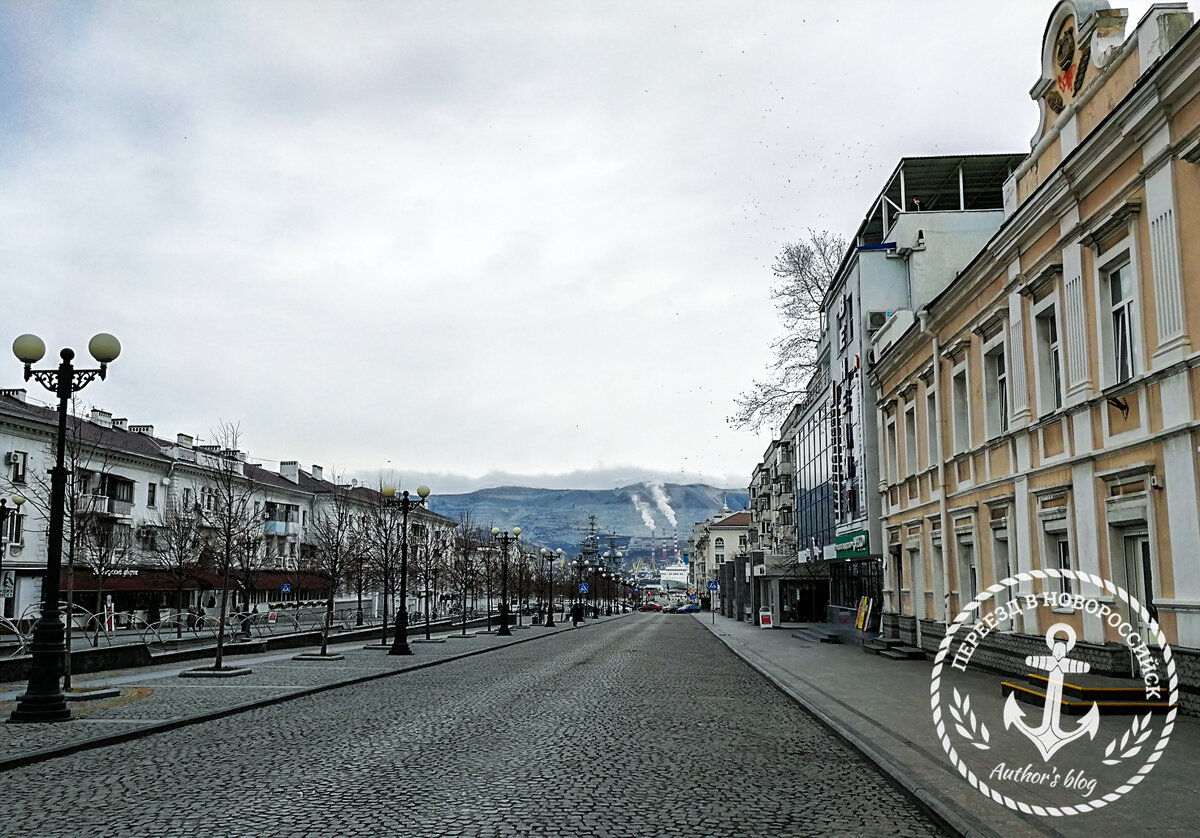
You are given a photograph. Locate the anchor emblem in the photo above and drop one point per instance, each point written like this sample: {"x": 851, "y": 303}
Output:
{"x": 1049, "y": 736}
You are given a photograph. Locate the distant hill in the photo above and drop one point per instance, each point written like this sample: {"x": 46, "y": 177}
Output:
{"x": 559, "y": 517}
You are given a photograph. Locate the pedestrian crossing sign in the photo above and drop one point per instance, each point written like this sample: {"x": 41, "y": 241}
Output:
{"x": 713, "y": 584}
{"x": 583, "y": 589}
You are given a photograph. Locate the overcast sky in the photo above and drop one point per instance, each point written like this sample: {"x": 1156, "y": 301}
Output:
{"x": 464, "y": 242}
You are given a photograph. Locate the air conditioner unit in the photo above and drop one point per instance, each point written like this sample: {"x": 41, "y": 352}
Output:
{"x": 876, "y": 320}
{"x": 10, "y": 459}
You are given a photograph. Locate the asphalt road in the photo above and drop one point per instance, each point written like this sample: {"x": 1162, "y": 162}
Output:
{"x": 643, "y": 726}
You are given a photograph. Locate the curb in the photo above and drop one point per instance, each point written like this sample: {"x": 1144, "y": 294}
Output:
{"x": 187, "y": 721}
{"x": 946, "y": 815}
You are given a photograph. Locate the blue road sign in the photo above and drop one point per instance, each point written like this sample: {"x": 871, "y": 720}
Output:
{"x": 583, "y": 587}
{"x": 286, "y": 588}
{"x": 713, "y": 585}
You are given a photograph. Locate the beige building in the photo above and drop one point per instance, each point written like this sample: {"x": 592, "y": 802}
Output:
{"x": 1044, "y": 410}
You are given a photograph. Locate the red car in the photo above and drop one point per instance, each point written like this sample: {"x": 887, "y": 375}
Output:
{"x": 651, "y": 606}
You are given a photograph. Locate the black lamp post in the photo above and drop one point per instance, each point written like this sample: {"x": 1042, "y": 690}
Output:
{"x": 505, "y": 539}
{"x": 43, "y": 699}
{"x": 5, "y": 511}
{"x": 400, "y": 641}
{"x": 550, "y": 558}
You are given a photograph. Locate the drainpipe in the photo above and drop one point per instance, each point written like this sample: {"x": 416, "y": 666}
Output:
{"x": 943, "y": 508}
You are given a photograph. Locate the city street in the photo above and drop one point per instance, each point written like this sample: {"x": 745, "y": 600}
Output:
{"x": 640, "y": 725}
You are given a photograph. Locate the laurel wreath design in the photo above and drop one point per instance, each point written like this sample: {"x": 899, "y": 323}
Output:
{"x": 960, "y": 709}
{"x": 1138, "y": 732}
{"x": 1137, "y": 739}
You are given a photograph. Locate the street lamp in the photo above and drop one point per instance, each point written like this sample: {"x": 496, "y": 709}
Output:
{"x": 505, "y": 539}
{"x": 43, "y": 699}
{"x": 550, "y": 558}
{"x": 400, "y": 641}
{"x": 4, "y": 513}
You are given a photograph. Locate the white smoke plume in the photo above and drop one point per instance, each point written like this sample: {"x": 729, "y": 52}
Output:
{"x": 660, "y": 500}
{"x": 644, "y": 509}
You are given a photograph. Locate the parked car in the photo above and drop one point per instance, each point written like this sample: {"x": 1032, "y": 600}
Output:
{"x": 688, "y": 608}
{"x": 651, "y": 606}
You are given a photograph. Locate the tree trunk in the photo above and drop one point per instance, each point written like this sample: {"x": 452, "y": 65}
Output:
{"x": 179, "y": 613}
{"x": 221, "y": 624}
{"x": 328, "y": 623}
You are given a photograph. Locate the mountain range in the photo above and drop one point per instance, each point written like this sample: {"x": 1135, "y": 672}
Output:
{"x": 633, "y": 514}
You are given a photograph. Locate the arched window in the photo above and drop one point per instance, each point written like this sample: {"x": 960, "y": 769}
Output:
{"x": 719, "y": 544}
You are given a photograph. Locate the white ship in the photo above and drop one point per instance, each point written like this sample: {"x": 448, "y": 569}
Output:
{"x": 674, "y": 575}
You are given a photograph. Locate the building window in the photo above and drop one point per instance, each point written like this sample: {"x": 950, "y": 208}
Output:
{"x": 962, "y": 412}
{"x": 931, "y": 427}
{"x": 1049, "y": 360}
{"x": 16, "y": 529}
{"x": 910, "y": 438}
{"x": 18, "y": 461}
{"x": 719, "y": 544}
{"x": 151, "y": 494}
{"x": 893, "y": 455}
{"x": 995, "y": 377}
{"x": 1062, "y": 549}
{"x": 1120, "y": 292}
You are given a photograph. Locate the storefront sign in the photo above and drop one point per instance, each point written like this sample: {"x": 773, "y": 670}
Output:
{"x": 853, "y": 545}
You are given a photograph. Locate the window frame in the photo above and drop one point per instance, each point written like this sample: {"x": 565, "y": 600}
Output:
{"x": 1051, "y": 388}
{"x": 995, "y": 386}
{"x": 961, "y": 407}
{"x": 1121, "y": 260}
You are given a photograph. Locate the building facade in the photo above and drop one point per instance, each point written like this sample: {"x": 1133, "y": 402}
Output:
{"x": 128, "y": 488}
{"x": 1043, "y": 411}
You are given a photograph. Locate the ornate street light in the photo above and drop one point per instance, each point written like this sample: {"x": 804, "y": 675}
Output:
{"x": 550, "y": 559}
{"x": 43, "y": 699}
{"x": 5, "y": 511}
{"x": 400, "y": 641}
{"x": 505, "y": 539}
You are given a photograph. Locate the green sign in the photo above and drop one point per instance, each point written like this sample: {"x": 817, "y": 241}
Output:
{"x": 852, "y": 545}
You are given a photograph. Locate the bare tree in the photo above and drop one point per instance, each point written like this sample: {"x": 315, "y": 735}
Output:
{"x": 336, "y": 540}
{"x": 429, "y": 545}
{"x": 804, "y": 271}
{"x": 103, "y": 547}
{"x": 383, "y": 548}
{"x": 463, "y": 571}
{"x": 227, "y": 509}
{"x": 174, "y": 545}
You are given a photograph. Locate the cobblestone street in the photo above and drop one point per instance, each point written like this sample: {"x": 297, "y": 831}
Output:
{"x": 644, "y": 725}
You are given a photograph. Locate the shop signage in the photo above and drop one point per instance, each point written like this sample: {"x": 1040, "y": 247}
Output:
{"x": 853, "y": 544}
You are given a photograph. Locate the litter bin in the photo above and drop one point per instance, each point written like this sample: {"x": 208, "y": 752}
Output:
{"x": 764, "y": 618}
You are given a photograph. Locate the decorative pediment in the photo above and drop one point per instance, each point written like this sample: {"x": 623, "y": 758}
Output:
{"x": 1041, "y": 279}
{"x": 1075, "y": 29}
{"x": 1117, "y": 222}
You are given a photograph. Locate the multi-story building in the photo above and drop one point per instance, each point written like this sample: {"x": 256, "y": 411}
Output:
{"x": 927, "y": 222}
{"x": 126, "y": 484}
{"x": 1043, "y": 411}
{"x": 717, "y": 542}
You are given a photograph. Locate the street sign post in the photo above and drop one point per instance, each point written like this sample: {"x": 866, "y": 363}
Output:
{"x": 713, "y": 587}
{"x": 286, "y": 588}
{"x": 583, "y": 587}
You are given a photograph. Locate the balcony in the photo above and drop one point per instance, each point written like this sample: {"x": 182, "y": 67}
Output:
{"x": 101, "y": 505}
{"x": 281, "y": 528}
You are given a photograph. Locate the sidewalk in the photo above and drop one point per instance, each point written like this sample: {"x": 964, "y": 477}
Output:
{"x": 882, "y": 707}
{"x": 154, "y": 698}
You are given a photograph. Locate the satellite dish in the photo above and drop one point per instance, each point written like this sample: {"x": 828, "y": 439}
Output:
{"x": 354, "y": 482}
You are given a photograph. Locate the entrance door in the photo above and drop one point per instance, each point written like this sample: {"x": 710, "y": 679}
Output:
{"x": 1139, "y": 580}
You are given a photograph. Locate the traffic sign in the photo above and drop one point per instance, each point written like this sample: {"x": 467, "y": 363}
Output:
{"x": 713, "y": 585}
{"x": 583, "y": 589}
{"x": 286, "y": 588}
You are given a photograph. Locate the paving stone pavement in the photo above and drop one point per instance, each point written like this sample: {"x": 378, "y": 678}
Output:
{"x": 639, "y": 725}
